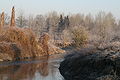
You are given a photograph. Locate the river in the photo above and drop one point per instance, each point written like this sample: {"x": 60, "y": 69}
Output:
{"x": 42, "y": 68}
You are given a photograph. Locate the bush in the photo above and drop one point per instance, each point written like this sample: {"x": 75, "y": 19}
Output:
{"x": 79, "y": 36}
{"x": 24, "y": 39}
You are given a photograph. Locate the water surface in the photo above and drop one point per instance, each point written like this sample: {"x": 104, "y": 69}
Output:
{"x": 42, "y": 68}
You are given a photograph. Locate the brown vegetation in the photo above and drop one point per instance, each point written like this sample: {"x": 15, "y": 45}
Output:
{"x": 24, "y": 39}
{"x": 2, "y": 20}
{"x": 44, "y": 41}
{"x": 9, "y": 51}
{"x": 12, "y": 23}
{"x": 80, "y": 36}
{"x": 20, "y": 43}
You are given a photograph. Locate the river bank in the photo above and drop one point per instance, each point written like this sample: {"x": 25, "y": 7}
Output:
{"x": 101, "y": 63}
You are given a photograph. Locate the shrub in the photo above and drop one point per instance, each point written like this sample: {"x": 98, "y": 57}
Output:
{"x": 25, "y": 40}
{"x": 79, "y": 36}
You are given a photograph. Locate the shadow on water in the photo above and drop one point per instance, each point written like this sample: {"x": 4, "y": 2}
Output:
{"x": 43, "y": 68}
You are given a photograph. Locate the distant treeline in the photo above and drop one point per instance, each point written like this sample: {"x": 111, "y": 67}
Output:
{"x": 102, "y": 26}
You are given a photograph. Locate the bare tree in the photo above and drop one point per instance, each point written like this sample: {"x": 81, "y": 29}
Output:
{"x": 76, "y": 20}
{"x": 31, "y": 21}
{"x": 7, "y": 19}
{"x": 39, "y": 24}
{"x": 89, "y": 21}
{"x": 21, "y": 21}
{"x": 104, "y": 26}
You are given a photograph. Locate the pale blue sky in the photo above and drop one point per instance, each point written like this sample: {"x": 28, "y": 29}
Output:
{"x": 62, "y": 6}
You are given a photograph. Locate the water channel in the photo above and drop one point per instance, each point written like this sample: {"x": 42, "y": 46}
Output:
{"x": 42, "y": 68}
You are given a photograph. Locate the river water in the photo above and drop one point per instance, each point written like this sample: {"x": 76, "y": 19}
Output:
{"x": 42, "y": 68}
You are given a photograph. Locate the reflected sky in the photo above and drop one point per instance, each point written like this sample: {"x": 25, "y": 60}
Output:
{"x": 45, "y": 69}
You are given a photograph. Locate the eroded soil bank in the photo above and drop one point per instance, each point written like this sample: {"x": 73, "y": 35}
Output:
{"x": 101, "y": 63}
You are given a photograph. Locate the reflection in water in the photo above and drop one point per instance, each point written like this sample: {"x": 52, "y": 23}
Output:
{"x": 45, "y": 69}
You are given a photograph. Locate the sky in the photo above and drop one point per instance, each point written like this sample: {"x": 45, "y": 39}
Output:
{"x": 62, "y": 6}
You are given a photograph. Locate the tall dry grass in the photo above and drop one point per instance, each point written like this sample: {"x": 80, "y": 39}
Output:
{"x": 25, "y": 39}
